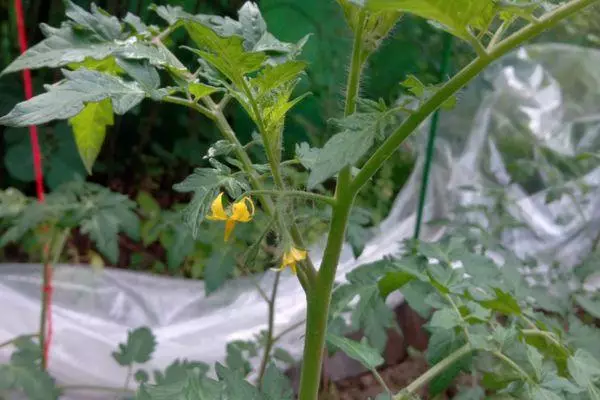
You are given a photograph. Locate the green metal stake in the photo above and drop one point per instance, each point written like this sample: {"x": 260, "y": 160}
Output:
{"x": 432, "y": 135}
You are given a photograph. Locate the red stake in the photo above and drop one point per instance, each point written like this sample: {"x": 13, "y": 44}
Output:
{"x": 39, "y": 180}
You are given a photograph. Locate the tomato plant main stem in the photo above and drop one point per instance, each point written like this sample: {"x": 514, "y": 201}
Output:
{"x": 319, "y": 297}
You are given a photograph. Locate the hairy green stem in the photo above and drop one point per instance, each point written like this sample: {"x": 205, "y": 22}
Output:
{"x": 320, "y": 299}
{"x": 191, "y": 104}
{"x": 309, "y": 274}
{"x": 293, "y": 193}
{"x": 271, "y": 323}
{"x": 513, "y": 365}
{"x": 433, "y": 372}
{"x": 458, "y": 82}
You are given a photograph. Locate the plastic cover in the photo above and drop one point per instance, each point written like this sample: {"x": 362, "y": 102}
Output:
{"x": 544, "y": 96}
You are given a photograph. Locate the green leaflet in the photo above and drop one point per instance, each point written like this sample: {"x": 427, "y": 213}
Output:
{"x": 89, "y": 129}
{"x": 139, "y": 347}
{"x": 362, "y": 352}
{"x": 457, "y": 16}
{"x": 275, "y": 385}
{"x": 69, "y": 98}
{"x": 358, "y": 134}
{"x": 218, "y": 268}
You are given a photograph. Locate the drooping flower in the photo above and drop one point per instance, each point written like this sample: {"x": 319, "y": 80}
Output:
{"x": 241, "y": 211}
{"x": 291, "y": 258}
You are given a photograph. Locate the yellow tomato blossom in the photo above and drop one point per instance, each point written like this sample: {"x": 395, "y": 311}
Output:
{"x": 291, "y": 258}
{"x": 241, "y": 211}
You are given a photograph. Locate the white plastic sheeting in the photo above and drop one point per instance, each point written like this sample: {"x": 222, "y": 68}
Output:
{"x": 546, "y": 94}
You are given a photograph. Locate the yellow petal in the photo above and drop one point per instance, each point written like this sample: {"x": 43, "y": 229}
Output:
{"x": 229, "y": 225}
{"x": 293, "y": 268}
{"x": 218, "y": 212}
{"x": 240, "y": 211}
{"x": 297, "y": 254}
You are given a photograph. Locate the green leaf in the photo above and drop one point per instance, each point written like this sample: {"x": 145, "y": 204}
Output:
{"x": 199, "y": 90}
{"x": 393, "y": 281}
{"x": 592, "y": 307}
{"x": 89, "y": 128}
{"x": 282, "y": 355}
{"x": 584, "y": 336}
{"x": 236, "y": 387}
{"x": 470, "y": 393}
{"x": 190, "y": 388}
{"x": 584, "y": 368}
{"x": 343, "y": 149}
{"x": 68, "y": 99}
{"x": 275, "y": 385}
{"x": 457, "y": 17}
{"x": 181, "y": 245}
{"x": 139, "y": 347}
{"x": 441, "y": 344}
{"x": 346, "y": 148}
{"x": 361, "y": 352}
{"x": 540, "y": 393}
{"x": 180, "y": 370}
{"x": 98, "y": 21}
{"x": 504, "y": 302}
{"x": 33, "y": 382}
{"x": 205, "y": 184}
{"x": 225, "y": 54}
{"x": 103, "y": 229}
{"x": 358, "y": 232}
{"x": 143, "y": 73}
{"x": 238, "y": 353}
{"x": 536, "y": 360}
{"x": 218, "y": 268}
{"x": 370, "y": 314}
{"x": 445, "y": 318}
{"x": 306, "y": 155}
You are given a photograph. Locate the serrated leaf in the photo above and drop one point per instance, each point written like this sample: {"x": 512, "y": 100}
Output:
{"x": 504, "y": 303}
{"x": 89, "y": 129}
{"x": 457, "y": 17}
{"x": 445, "y": 318}
{"x": 592, "y": 307}
{"x": 306, "y": 155}
{"x": 275, "y": 385}
{"x": 190, "y": 388}
{"x": 584, "y": 336}
{"x": 343, "y": 149}
{"x": 226, "y": 54}
{"x": 33, "y": 382}
{"x": 142, "y": 72}
{"x": 180, "y": 246}
{"x": 540, "y": 393}
{"x": 218, "y": 268}
{"x": 105, "y": 26}
{"x": 282, "y": 355}
{"x": 361, "y": 352}
{"x": 536, "y": 360}
{"x": 139, "y": 347}
{"x": 584, "y": 368}
{"x": 180, "y": 370}
{"x": 441, "y": 344}
{"x": 236, "y": 387}
{"x": 371, "y": 314}
{"x": 103, "y": 230}
{"x": 68, "y": 99}
{"x": 205, "y": 184}
{"x": 199, "y": 90}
